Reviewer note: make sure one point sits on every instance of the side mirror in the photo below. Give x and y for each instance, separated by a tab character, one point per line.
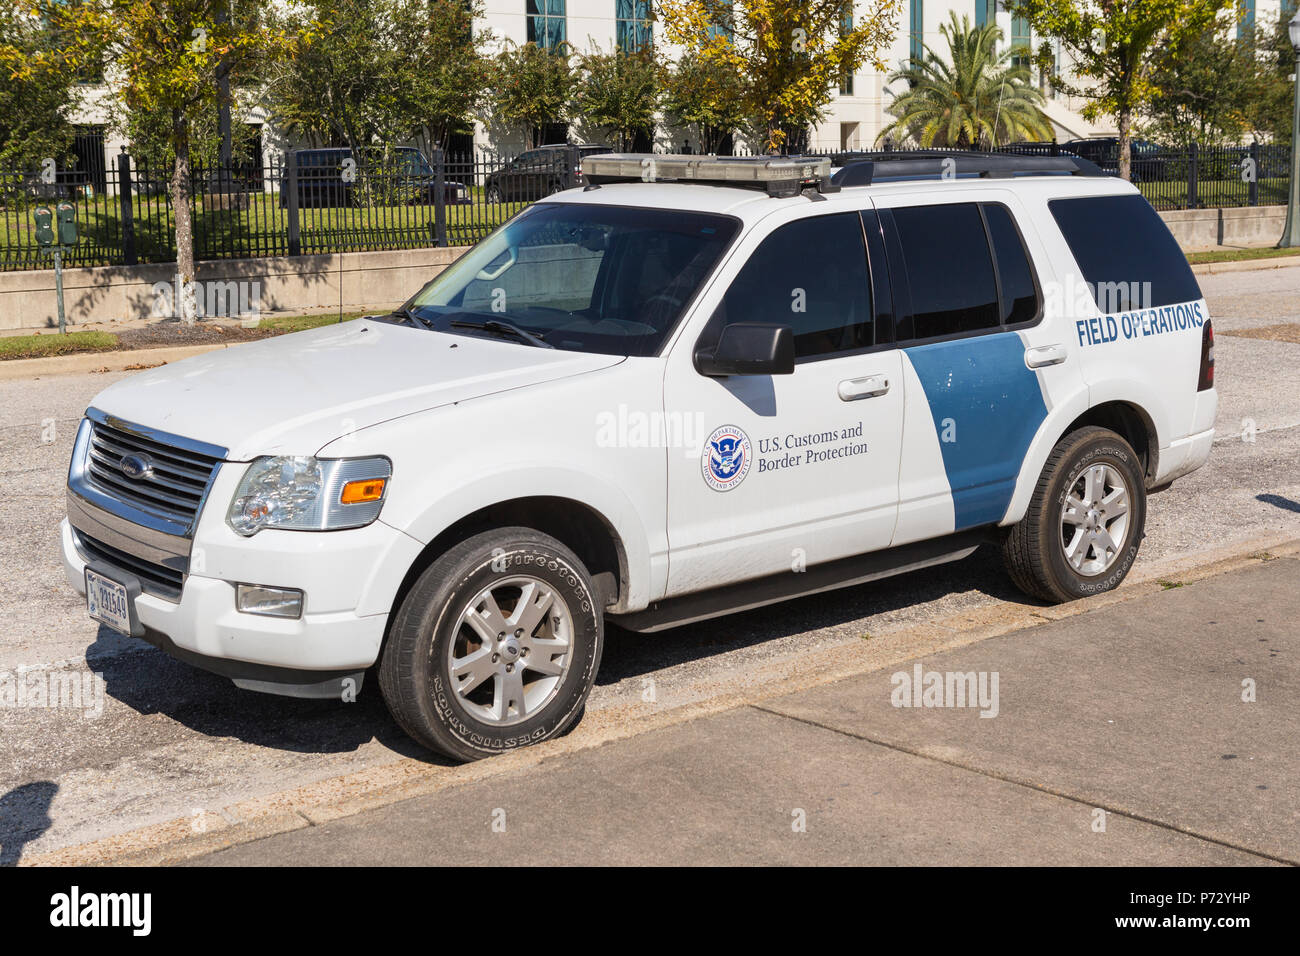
749	348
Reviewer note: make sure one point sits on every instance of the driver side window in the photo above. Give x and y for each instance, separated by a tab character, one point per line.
812	276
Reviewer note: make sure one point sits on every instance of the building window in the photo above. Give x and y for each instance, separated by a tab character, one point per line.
986	11
1246	25
916	30
545	22
846	27
1020	40
632	25
721	19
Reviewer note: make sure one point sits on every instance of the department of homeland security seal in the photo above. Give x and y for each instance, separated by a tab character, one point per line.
726	458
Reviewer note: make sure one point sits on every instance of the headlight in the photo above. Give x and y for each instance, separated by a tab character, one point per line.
309	494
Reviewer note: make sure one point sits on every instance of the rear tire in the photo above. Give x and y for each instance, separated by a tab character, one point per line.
1081	533
496	645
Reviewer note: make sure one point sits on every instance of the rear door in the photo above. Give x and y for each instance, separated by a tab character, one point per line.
968	303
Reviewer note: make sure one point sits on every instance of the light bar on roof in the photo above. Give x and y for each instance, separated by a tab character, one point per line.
779	175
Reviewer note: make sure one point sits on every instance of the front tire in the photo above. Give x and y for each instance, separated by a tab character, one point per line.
1081	533
496	645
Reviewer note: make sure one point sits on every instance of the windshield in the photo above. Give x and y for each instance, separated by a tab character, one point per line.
587	278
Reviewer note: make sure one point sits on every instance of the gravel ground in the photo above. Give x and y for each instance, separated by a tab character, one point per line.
171	332
172	739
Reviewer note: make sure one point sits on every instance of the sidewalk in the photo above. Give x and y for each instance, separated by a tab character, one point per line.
1131	715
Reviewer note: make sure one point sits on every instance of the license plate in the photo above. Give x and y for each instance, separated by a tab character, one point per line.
107	602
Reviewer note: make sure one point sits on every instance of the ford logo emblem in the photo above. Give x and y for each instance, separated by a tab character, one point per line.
136	466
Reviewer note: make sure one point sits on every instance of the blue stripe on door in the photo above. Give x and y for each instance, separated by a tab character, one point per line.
987	407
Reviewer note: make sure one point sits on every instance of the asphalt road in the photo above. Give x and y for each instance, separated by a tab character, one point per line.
172	741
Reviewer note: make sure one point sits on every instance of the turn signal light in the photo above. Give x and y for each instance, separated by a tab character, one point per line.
359	492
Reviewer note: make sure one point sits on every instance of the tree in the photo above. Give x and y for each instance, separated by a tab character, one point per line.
533	87
1268	108
705	96
977	97
38	89
163	58
380	70
1114	45
447	72
790	54
340	88
620	92
1202	91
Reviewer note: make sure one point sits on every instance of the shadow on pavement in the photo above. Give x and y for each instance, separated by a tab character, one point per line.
1286	504
150	682
24	816
628	654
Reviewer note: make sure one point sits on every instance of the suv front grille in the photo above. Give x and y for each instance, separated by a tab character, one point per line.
156	579
174	485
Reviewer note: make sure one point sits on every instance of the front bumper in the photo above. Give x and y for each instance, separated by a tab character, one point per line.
307	657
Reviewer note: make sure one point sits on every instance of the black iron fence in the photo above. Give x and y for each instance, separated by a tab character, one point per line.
328	200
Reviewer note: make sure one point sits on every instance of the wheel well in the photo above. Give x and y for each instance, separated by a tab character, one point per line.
580	528
1130	423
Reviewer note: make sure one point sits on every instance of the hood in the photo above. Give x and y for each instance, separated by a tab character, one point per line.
292	394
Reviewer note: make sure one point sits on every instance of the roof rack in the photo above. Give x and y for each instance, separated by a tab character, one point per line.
778	176
864	169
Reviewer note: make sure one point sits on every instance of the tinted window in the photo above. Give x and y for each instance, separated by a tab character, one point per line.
1019	294
1125	252
812	276
948	270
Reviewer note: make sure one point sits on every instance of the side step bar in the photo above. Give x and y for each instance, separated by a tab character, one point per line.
846	572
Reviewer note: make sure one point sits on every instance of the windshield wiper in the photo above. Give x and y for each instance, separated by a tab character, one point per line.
502	327
413	318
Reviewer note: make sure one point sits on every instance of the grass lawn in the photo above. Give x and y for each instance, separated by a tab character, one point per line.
40	346
297	323
1239	255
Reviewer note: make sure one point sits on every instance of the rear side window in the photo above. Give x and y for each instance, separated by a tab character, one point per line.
812	276
947	268
1019	292
1126	253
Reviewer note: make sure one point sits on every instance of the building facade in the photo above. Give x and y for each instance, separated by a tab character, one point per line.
856	114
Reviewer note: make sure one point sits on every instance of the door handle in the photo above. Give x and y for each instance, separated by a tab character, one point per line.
1045	355
852	389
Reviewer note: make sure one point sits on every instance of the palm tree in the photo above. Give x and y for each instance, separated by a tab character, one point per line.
979	97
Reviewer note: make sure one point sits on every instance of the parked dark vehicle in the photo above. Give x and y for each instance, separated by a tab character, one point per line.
407	177
534	174
1149	162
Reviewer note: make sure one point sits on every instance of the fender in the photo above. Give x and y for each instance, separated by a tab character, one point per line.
1053	429
1171	419
646	575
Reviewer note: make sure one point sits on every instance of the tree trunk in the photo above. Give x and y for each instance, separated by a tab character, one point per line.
186	303
1125	118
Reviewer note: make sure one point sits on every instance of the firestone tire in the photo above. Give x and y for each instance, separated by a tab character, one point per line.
1081	533
495	647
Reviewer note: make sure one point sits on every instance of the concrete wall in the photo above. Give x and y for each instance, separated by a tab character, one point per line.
1244	226
229	287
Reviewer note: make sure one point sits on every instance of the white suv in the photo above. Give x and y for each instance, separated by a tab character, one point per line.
693	386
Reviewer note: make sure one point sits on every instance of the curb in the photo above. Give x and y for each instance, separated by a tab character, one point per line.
115	360
314	804
1245	265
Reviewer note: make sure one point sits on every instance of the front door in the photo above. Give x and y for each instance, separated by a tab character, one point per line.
790	470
